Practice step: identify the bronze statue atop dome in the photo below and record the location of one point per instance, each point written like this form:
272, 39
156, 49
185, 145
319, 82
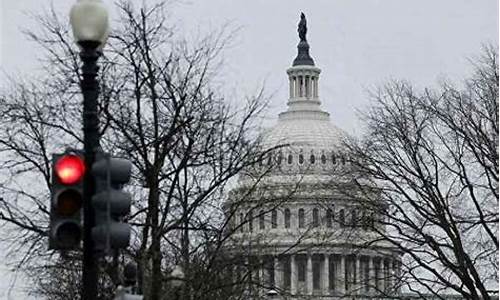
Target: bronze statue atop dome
303, 57
302, 30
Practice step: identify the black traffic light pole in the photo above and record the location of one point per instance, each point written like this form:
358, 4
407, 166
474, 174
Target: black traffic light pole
90, 90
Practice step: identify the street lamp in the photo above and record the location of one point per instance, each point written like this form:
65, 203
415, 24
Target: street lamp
177, 280
177, 276
89, 21
272, 293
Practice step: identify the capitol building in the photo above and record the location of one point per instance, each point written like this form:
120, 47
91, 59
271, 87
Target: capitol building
296, 235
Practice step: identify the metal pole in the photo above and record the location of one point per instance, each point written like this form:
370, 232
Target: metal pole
90, 91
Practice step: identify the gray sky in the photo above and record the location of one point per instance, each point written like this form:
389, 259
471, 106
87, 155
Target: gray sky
357, 43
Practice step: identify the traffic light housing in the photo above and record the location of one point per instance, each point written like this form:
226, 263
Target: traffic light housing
65, 229
110, 202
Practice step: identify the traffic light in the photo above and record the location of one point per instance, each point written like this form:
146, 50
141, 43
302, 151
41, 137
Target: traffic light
110, 202
65, 229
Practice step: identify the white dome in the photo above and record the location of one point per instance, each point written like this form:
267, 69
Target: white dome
307, 133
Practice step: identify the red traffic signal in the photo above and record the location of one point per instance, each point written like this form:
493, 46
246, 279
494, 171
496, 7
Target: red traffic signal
69, 169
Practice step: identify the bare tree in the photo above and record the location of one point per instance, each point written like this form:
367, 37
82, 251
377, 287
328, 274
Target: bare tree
160, 107
428, 168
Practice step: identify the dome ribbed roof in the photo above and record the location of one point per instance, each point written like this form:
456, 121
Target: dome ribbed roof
305, 132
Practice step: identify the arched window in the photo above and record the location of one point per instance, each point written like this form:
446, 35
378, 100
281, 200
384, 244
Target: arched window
270, 159
315, 217
262, 221
301, 159
334, 160
274, 219
290, 159
365, 221
287, 218
301, 218
341, 218
312, 159
280, 158
329, 217
323, 159
250, 221
354, 218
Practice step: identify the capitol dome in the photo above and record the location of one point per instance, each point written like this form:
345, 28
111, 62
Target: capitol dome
295, 233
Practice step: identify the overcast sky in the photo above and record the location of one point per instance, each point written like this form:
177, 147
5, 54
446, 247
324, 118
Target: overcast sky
357, 43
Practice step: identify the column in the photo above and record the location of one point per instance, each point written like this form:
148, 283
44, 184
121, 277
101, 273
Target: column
277, 277
371, 274
309, 275
341, 276
358, 275
326, 274
290, 79
293, 275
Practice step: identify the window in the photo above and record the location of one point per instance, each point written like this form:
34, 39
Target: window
371, 221
323, 159
366, 274
262, 224
316, 268
270, 271
301, 90
312, 159
332, 270
280, 158
376, 266
306, 92
301, 269
274, 219
315, 217
301, 218
329, 217
287, 272
290, 159
287, 218
334, 161
301, 159
341, 218
350, 272
270, 159
250, 221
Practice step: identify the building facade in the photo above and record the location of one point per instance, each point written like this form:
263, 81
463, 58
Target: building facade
297, 236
